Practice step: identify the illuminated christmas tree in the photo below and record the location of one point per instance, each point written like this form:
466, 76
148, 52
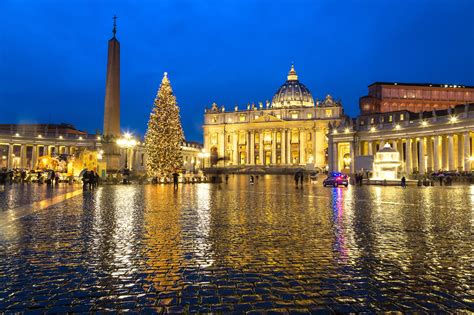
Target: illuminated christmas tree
164, 135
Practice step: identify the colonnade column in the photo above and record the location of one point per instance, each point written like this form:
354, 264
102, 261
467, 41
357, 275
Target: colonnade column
23, 156
10, 156
283, 147
436, 153
460, 153
408, 164
444, 153
467, 152
369, 148
34, 156
274, 146
260, 148
450, 153
335, 153
421, 158
252, 147
414, 156
429, 151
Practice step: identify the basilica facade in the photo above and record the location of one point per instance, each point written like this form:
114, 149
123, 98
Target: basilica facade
290, 131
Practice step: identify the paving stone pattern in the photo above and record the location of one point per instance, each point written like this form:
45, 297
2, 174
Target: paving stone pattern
244, 248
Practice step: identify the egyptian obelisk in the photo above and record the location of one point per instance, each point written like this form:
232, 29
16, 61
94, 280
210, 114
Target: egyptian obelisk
112, 88
112, 105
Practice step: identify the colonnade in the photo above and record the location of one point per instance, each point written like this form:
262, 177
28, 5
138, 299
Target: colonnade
26, 155
425, 154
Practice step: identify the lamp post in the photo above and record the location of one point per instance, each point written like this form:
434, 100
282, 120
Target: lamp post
126, 142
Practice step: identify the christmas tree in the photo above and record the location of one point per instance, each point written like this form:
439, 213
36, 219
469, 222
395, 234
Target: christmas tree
164, 135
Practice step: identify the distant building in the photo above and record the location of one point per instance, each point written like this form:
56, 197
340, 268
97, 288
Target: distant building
386, 97
288, 132
427, 141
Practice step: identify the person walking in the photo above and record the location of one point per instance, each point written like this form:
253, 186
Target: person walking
226, 178
175, 180
440, 180
296, 178
96, 179
85, 180
56, 179
301, 179
91, 181
404, 182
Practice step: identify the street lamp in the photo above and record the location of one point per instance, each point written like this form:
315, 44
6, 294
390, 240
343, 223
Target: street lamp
126, 142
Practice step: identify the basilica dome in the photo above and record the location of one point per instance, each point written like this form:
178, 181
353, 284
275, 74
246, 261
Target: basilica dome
292, 93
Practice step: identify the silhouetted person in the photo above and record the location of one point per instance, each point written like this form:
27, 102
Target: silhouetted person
96, 179
175, 180
56, 179
301, 179
252, 179
91, 181
85, 180
440, 180
296, 178
404, 182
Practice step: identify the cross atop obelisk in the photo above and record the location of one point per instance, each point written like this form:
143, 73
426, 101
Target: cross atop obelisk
115, 25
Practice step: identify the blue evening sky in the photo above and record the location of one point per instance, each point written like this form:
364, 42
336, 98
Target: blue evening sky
53, 53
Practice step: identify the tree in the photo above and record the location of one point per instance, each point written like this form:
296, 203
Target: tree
164, 135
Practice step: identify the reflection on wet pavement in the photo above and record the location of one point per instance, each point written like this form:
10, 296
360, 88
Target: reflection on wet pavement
244, 248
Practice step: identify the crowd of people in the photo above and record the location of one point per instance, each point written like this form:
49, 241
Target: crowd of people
90, 180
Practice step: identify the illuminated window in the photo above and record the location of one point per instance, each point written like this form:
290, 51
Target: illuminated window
328, 113
256, 116
371, 120
214, 119
242, 118
294, 116
402, 116
278, 116
309, 115
390, 119
229, 119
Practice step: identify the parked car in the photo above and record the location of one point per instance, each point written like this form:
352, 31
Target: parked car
336, 179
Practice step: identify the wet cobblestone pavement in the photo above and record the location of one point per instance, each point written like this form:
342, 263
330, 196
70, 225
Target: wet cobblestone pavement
243, 248
17, 195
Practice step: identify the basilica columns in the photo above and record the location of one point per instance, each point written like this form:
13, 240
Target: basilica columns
282, 147
289, 158
273, 147
252, 147
260, 148
369, 148
235, 148
302, 147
